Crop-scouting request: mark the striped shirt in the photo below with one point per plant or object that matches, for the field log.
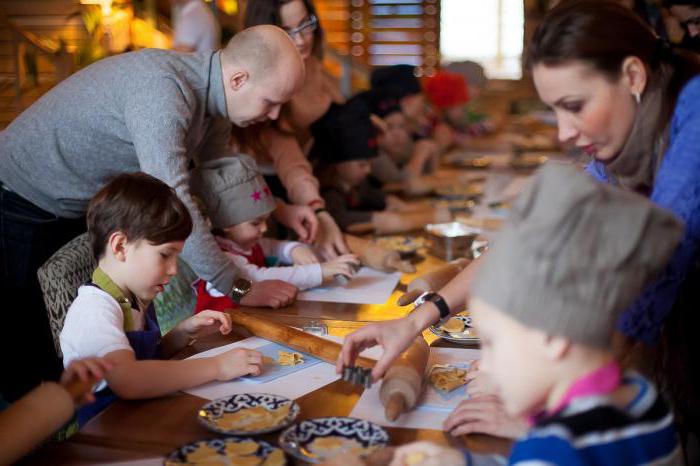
(593, 430)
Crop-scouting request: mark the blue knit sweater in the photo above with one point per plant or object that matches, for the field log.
(676, 188)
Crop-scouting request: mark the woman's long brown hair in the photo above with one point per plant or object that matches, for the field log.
(258, 12)
(602, 34)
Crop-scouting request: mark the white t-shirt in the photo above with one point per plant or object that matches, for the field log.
(197, 27)
(94, 326)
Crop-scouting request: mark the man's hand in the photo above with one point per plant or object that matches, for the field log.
(270, 293)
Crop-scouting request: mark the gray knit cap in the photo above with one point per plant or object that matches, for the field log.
(574, 254)
(232, 189)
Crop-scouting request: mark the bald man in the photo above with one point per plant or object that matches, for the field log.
(154, 111)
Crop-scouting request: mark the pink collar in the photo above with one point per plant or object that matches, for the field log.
(601, 381)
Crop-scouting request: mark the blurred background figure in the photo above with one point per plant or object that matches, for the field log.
(196, 27)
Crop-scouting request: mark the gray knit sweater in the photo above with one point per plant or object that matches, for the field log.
(152, 111)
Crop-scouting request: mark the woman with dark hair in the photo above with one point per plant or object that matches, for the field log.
(279, 146)
(632, 103)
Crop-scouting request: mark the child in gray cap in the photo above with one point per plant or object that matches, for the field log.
(238, 202)
(572, 256)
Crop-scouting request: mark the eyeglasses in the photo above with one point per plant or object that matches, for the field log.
(306, 27)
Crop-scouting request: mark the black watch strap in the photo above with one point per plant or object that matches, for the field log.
(440, 303)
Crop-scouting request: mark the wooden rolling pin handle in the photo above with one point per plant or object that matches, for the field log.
(407, 298)
(323, 349)
(395, 406)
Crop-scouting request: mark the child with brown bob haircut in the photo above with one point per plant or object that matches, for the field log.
(137, 226)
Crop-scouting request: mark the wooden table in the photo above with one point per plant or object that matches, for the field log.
(129, 430)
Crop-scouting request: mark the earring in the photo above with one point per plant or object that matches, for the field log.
(637, 97)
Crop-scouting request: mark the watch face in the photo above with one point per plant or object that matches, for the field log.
(242, 285)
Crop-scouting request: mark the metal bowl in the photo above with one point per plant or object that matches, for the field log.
(451, 240)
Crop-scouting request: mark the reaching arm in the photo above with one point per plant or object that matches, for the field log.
(292, 167)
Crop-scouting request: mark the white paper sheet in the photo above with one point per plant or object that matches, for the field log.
(369, 406)
(367, 286)
(293, 386)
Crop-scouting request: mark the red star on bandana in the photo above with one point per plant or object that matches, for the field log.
(256, 196)
(267, 191)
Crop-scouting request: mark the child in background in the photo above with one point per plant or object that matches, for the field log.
(449, 95)
(238, 203)
(574, 254)
(44, 410)
(399, 82)
(344, 147)
(137, 226)
(399, 157)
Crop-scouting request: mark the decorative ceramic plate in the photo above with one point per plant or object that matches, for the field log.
(239, 451)
(462, 332)
(316, 440)
(248, 413)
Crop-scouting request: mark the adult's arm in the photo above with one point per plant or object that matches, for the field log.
(292, 167)
(158, 126)
(394, 336)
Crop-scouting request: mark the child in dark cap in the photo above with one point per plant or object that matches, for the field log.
(344, 146)
(399, 158)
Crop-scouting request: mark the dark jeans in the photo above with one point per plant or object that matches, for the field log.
(28, 237)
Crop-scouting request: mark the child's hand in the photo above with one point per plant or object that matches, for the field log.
(203, 323)
(238, 362)
(344, 265)
(484, 414)
(303, 255)
(80, 376)
(427, 454)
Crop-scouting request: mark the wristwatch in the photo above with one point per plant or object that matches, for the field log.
(439, 301)
(241, 287)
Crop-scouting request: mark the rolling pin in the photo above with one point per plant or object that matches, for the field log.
(403, 382)
(432, 281)
(377, 257)
(321, 348)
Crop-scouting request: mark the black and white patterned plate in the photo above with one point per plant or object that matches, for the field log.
(467, 337)
(296, 439)
(213, 410)
(180, 456)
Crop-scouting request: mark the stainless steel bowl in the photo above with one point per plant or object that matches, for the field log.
(451, 240)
